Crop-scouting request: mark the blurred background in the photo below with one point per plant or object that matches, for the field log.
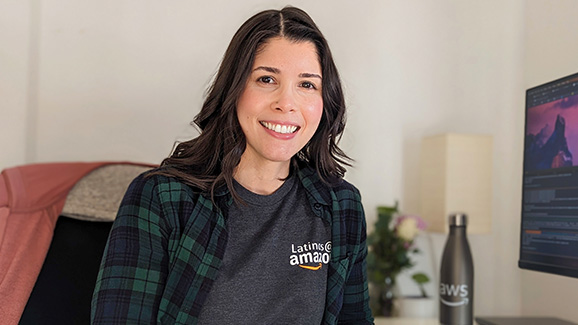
(121, 80)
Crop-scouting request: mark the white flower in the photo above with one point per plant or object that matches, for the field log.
(407, 229)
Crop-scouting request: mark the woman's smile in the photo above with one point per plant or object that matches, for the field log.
(280, 128)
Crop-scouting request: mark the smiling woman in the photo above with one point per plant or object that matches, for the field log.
(229, 228)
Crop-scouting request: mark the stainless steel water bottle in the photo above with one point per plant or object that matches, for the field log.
(457, 276)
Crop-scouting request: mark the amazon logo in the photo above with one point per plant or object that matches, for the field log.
(310, 256)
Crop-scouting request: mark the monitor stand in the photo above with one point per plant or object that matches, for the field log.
(522, 321)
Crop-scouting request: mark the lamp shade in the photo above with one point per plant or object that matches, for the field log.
(456, 176)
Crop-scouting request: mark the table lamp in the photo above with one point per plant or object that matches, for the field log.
(456, 176)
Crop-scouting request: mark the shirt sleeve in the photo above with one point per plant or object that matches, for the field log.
(133, 270)
(355, 309)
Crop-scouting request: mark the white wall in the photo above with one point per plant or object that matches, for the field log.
(121, 80)
(551, 53)
(15, 30)
(478, 82)
(444, 66)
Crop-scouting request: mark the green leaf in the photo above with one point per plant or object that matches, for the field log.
(378, 277)
(385, 209)
(420, 278)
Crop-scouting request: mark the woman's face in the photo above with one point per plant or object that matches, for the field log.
(281, 105)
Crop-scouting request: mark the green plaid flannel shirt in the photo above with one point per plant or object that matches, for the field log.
(167, 243)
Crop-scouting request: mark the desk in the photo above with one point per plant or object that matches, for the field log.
(405, 321)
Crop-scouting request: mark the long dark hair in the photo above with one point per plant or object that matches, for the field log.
(209, 160)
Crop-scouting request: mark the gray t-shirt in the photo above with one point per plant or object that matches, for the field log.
(275, 266)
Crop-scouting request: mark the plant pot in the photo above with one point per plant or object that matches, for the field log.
(382, 299)
(417, 307)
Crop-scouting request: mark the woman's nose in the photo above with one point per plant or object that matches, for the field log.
(285, 100)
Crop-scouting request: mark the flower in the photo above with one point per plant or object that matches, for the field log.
(391, 243)
(407, 229)
(409, 226)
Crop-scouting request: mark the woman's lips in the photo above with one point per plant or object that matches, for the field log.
(280, 128)
(280, 131)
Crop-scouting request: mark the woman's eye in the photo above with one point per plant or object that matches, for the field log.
(308, 85)
(265, 79)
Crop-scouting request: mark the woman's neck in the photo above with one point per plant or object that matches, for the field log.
(261, 179)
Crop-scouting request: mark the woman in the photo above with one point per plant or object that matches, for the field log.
(250, 222)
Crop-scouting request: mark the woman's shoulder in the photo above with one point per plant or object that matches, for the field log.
(338, 187)
(155, 177)
(345, 187)
(157, 181)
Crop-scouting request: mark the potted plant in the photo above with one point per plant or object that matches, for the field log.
(389, 247)
(420, 306)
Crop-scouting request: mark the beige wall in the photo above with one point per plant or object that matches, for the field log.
(551, 52)
(454, 66)
(121, 79)
(15, 32)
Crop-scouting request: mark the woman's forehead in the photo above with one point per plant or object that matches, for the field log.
(283, 54)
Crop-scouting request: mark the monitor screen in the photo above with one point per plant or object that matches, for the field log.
(549, 227)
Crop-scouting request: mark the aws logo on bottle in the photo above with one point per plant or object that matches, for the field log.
(454, 295)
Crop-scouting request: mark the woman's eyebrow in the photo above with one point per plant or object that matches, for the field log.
(268, 69)
(310, 75)
(277, 71)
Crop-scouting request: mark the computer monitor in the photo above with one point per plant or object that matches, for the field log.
(549, 227)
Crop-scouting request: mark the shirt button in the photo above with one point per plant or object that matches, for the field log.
(317, 209)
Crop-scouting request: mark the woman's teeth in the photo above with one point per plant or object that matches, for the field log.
(283, 129)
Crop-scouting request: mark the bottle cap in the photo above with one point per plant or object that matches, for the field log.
(458, 219)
